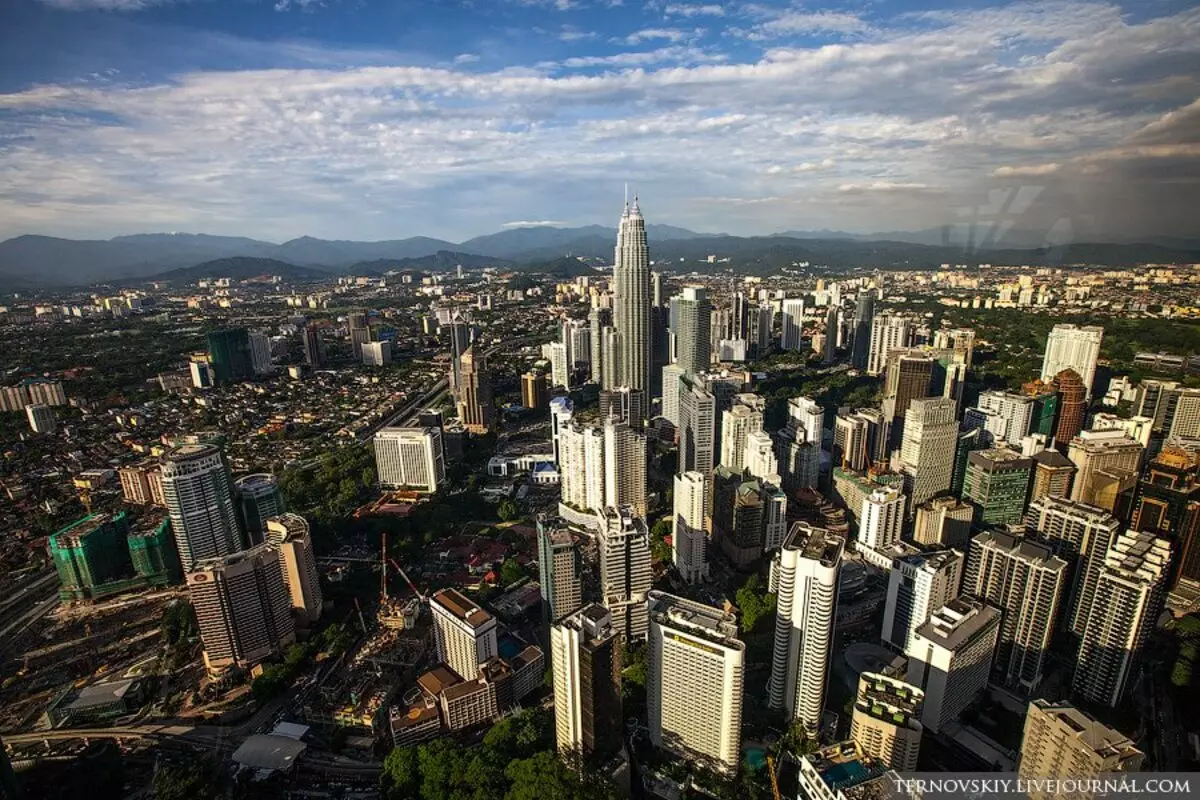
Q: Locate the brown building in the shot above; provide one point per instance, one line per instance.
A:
(476, 406)
(1063, 742)
(535, 391)
(1072, 406)
(1167, 503)
(1052, 474)
(141, 483)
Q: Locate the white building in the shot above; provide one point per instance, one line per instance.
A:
(880, 523)
(1073, 347)
(631, 300)
(670, 393)
(289, 534)
(950, 658)
(689, 535)
(805, 578)
(560, 368)
(586, 661)
(625, 572)
(410, 458)
(1013, 412)
(694, 681)
(918, 585)
(465, 634)
(736, 424)
(376, 354)
(793, 324)
(888, 332)
(927, 448)
(759, 457)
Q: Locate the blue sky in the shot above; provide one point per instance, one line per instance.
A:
(373, 119)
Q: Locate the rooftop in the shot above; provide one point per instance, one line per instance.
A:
(269, 752)
(437, 680)
(697, 619)
(461, 607)
(815, 543)
(101, 694)
(959, 622)
(843, 767)
(1052, 458)
(999, 457)
(1094, 735)
(413, 716)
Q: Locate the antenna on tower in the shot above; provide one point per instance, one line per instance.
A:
(627, 194)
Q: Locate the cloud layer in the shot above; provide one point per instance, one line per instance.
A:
(889, 123)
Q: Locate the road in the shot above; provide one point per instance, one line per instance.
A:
(41, 608)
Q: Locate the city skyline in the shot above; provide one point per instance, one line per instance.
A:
(135, 115)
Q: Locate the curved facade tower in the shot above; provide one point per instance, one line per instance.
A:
(631, 305)
(199, 497)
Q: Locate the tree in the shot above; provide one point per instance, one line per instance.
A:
(754, 606)
(193, 781)
(441, 766)
(507, 511)
(510, 572)
(659, 549)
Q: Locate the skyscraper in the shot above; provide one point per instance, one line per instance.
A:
(918, 585)
(694, 681)
(410, 458)
(89, 553)
(759, 457)
(585, 654)
(864, 316)
(689, 536)
(40, 418)
(560, 367)
(1072, 406)
(888, 332)
(288, 533)
(737, 423)
(260, 353)
(927, 447)
(880, 523)
(1025, 581)
(625, 573)
(944, 522)
(798, 445)
(1101, 459)
(229, 354)
(464, 633)
(996, 484)
(693, 331)
(1060, 741)
(1073, 347)
(1052, 475)
(1128, 598)
(749, 516)
(950, 658)
(671, 390)
(475, 405)
(560, 569)
(697, 427)
(599, 319)
(199, 497)
(805, 578)
(314, 347)
(535, 393)
(885, 722)
(909, 376)
(242, 607)
(624, 466)
(631, 305)
(849, 442)
(793, 324)
(1167, 504)
(258, 496)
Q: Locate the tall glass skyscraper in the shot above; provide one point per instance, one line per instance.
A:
(631, 305)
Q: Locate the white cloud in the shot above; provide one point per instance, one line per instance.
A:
(790, 22)
(466, 58)
(674, 54)
(540, 223)
(569, 33)
(882, 186)
(685, 10)
(1027, 171)
(104, 5)
(650, 34)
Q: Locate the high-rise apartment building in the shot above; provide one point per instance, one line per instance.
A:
(475, 403)
(759, 457)
(1130, 589)
(798, 445)
(288, 533)
(40, 418)
(793, 324)
(625, 572)
(1073, 347)
(671, 390)
(695, 667)
(1060, 741)
(880, 523)
(314, 347)
(950, 658)
(465, 634)
(697, 427)
(410, 458)
(927, 447)
(561, 369)
(1072, 406)
(631, 303)
(885, 722)
(585, 656)
(943, 522)
(141, 484)
(376, 354)
(199, 499)
(918, 585)
(745, 418)
(1167, 504)
(689, 531)
(1012, 414)
(693, 332)
(805, 578)
(1052, 475)
(242, 607)
(624, 467)
(850, 433)
(749, 516)
(1025, 581)
(560, 569)
(90, 553)
(260, 353)
(996, 484)
(888, 332)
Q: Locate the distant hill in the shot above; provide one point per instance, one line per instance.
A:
(240, 269)
(307, 250)
(441, 261)
(565, 267)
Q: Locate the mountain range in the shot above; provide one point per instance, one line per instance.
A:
(43, 261)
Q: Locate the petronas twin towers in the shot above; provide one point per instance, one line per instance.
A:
(631, 303)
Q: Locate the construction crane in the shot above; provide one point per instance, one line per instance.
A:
(408, 580)
(774, 778)
(361, 621)
(383, 559)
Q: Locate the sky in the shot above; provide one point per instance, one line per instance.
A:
(382, 119)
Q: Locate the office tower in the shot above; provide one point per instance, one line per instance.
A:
(560, 369)
(927, 447)
(908, 377)
(697, 427)
(152, 551)
(201, 372)
(805, 578)
(793, 324)
(880, 523)
(737, 423)
(1073, 347)
(885, 722)
(1167, 504)
(798, 445)
(1060, 741)
(996, 484)
(689, 532)
(888, 332)
(585, 656)
(1052, 475)
(534, 391)
(1157, 400)
(610, 358)
(1185, 422)
(918, 585)
(288, 533)
(1012, 413)
(562, 410)
(376, 354)
(1080, 535)
(40, 418)
(560, 569)
(671, 390)
(1128, 599)
(1072, 406)
(360, 332)
(631, 305)
(625, 574)
(694, 680)
(761, 332)
(833, 329)
(1045, 397)
(943, 522)
(1100, 458)
(229, 354)
(864, 316)
(260, 353)
(475, 406)
(89, 553)
(693, 332)
(410, 458)
(258, 496)
(465, 634)
(950, 658)
(758, 458)
(599, 319)
(624, 467)
(242, 607)
(749, 516)
(314, 348)
(199, 498)
(1025, 581)
(969, 440)
(624, 405)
